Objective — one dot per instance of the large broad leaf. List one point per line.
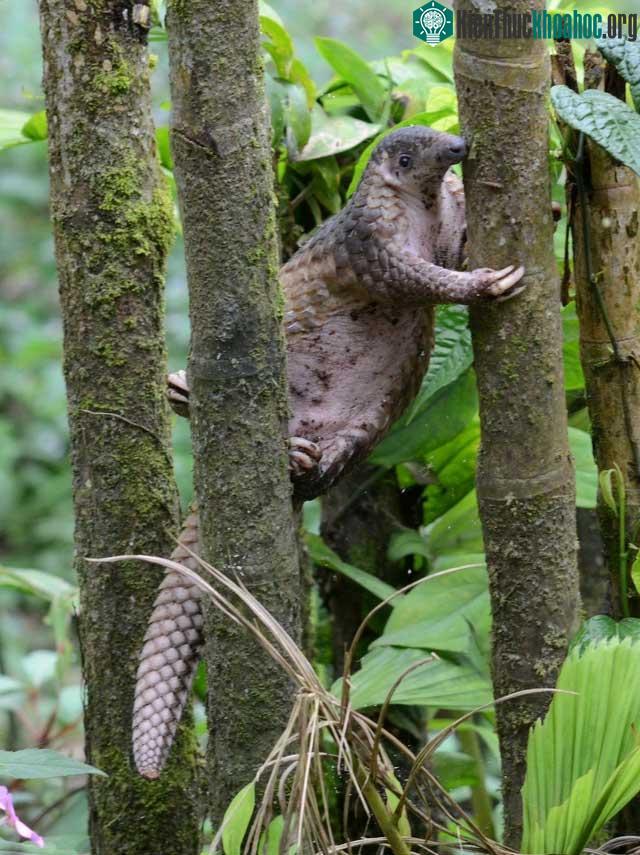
(457, 532)
(625, 55)
(605, 119)
(451, 356)
(586, 469)
(438, 683)
(41, 763)
(334, 134)
(437, 614)
(444, 416)
(326, 557)
(356, 71)
(583, 760)
(453, 467)
(237, 818)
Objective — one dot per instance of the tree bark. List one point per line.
(607, 278)
(525, 478)
(221, 147)
(113, 225)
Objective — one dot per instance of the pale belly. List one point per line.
(358, 370)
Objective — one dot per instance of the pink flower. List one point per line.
(6, 804)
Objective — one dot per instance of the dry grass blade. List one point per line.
(296, 781)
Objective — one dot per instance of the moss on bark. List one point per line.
(113, 228)
(221, 147)
(525, 476)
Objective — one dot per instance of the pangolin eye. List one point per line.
(405, 161)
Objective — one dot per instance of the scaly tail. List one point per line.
(168, 660)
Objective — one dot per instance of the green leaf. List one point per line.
(334, 134)
(42, 763)
(454, 769)
(35, 582)
(437, 614)
(457, 532)
(237, 818)
(406, 542)
(573, 376)
(36, 128)
(12, 693)
(438, 683)
(164, 147)
(280, 46)
(625, 55)
(444, 416)
(322, 555)
(586, 470)
(583, 760)
(12, 123)
(602, 628)
(270, 843)
(635, 572)
(451, 356)
(439, 59)
(605, 119)
(453, 466)
(355, 70)
(296, 116)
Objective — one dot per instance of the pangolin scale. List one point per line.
(359, 329)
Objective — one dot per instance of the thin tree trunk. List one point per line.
(607, 277)
(113, 226)
(222, 155)
(525, 477)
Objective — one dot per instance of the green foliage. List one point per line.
(603, 628)
(41, 763)
(356, 72)
(604, 118)
(438, 683)
(235, 822)
(323, 556)
(625, 56)
(583, 760)
(436, 615)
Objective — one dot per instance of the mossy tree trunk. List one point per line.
(607, 277)
(525, 478)
(113, 225)
(221, 147)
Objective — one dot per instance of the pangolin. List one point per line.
(359, 319)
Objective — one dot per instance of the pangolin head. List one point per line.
(416, 158)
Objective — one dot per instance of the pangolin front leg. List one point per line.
(174, 638)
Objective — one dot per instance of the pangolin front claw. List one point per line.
(178, 393)
(304, 456)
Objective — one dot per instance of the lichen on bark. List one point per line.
(525, 476)
(113, 227)
(221, 146)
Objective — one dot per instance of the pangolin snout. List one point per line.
(458, 147)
